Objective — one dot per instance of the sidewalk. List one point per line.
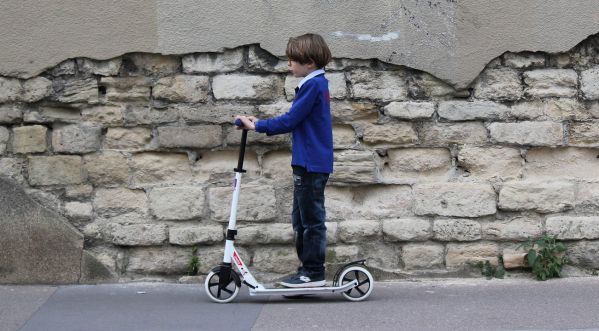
(458, 304)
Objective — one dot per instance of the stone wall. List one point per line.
(138, 152)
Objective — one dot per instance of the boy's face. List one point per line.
(300, 70)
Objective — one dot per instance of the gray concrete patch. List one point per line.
(18, 303)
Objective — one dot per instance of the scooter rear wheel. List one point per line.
(365, 282)
(224, 295)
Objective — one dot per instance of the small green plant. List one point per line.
(489, 271)
(194, 262)
(546, 256)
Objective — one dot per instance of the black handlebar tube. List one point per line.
(244, 136)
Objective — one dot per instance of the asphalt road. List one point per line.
(462, 304)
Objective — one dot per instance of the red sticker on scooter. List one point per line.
(237, 260)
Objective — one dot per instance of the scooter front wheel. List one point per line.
(224, 295)
(365, 282)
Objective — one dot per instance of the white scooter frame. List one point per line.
(222, 283)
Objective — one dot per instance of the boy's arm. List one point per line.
(302, 106)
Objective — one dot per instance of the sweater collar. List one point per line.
(310, 76)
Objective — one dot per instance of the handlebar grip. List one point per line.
(238, 122)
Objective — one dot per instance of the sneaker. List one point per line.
(301, 280)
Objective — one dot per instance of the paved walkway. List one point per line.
(463, 304)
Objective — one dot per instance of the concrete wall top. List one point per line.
(451, 39)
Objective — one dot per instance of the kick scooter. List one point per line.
(222, 284)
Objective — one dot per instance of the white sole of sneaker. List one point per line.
(309, 284)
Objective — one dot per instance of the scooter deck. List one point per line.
(304, 290)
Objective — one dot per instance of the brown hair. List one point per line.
(308, 48)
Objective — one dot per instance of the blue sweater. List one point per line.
(309, 120)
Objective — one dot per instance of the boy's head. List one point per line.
(308, 48)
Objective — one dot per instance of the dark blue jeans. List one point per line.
(308, 218)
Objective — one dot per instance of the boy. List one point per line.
(309, 121)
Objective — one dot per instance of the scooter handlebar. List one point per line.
(238, 122)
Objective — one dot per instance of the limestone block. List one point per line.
(199, 136)
(353, 111)
(337, 85)
(417, 164)
(584, 254)
(567, 109)
(534, 109)
(229, 60)
(10, 89)
(195, 234)
(444, 134)
(409, 109)
(406, 229)
(423, 256)
(73, 138)
(182, 88)
(355, 167)
(277, 233)
(152, 64)
(461, 255)
(222, 163)
(588, 195)
(10, 114)
(107, 168)
(458, 110)
(256, 203)
(261, 60)
(570, 163)
(589, 83)
(274, 109)
(177, 202)
(78, 210)
(53, 114)
(332, 230)
(154, 168)
(342, 254)
(378, 85)
(103, 68)
(456, 230)
(140, 115)
(159, 260)
(514, 258)
(512, 229)
(355, 231)
(126, 88)
(282, 260)
(344, 136)
(104, 115)
(584, 134)
(454, 199)
(528, 133)
(573, 227)
(498, 84)
(240, 86)
(84, 90)
(541, 196)
(28, 139)
(78, 191)
(214, 114)
(136, 138)
(524, 60)
(12, 168)
(389, 134)
(542, 83)
(136, 234)
(491, 162)
(369, 202)
(35, 89)
(343, 64)
(115, 201)
(64, 68)
(210, 257)
(291, 83)
(277, 165)
(55, 170)
(423, 86)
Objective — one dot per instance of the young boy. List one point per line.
(309, 121)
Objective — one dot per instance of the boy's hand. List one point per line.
(249, 122)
